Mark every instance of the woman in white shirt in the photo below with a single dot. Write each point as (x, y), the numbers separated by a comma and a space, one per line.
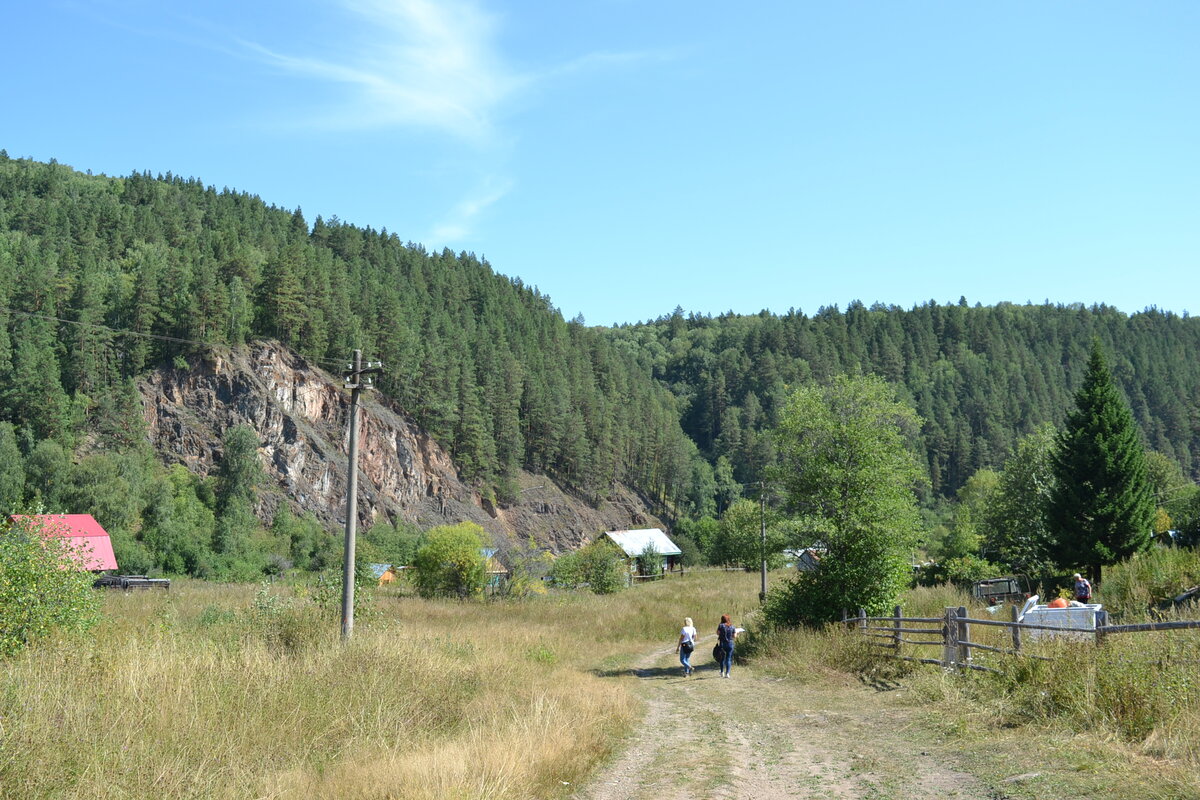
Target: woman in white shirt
(686, 644)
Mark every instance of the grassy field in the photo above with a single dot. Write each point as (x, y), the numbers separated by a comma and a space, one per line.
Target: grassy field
(220, 691)
(1122, 720)
(239, 691)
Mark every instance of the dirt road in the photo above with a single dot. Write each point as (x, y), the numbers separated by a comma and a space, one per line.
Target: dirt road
(754, 736)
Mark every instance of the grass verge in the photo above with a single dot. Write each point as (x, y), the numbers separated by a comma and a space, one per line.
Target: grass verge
(218, 691)
(1120, 720)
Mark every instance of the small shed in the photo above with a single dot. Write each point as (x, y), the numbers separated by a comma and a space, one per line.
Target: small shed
(633, 544)
(87, 540)
(497, 573)
(385, 573)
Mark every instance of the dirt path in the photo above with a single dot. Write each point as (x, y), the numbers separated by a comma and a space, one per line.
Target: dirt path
(754, 736)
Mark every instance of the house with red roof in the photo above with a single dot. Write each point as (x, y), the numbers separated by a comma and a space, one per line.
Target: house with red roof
(86, 539)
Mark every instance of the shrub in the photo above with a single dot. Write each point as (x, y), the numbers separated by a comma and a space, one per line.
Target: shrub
(385, 543)
(451, 561)
(803, 598)
(961, 571)
(566, 572)
(42, 587)
(603, 568)
(690, 553)
(1149, 579)
(650, 561)
(285, 626)
(599, 566)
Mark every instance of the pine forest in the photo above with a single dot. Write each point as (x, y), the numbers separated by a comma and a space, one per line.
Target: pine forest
(104, 278)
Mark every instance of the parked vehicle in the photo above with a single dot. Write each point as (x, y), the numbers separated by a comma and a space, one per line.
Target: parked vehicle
(994, 591)
(131, 582)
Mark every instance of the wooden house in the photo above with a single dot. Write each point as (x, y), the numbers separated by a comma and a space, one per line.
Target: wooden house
(633, 543)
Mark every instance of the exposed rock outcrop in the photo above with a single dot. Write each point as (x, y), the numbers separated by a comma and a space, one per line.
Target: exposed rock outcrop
(300, 414)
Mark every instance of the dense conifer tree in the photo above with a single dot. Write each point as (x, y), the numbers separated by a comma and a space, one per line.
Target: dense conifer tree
(490, 368)
(12, 471)
(1100, 507)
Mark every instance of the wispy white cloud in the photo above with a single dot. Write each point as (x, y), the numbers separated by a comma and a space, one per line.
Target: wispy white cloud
(421, 63)
(432, 64)
(607, 60)
(457, 225)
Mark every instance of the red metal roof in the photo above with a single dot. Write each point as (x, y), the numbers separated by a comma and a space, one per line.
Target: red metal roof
(90, 542)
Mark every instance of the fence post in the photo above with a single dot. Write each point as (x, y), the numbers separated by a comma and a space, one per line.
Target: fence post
(1016, 628)
(896, 635)
(862, 619)
(1101, 624)
(964, 636)
(950, 639)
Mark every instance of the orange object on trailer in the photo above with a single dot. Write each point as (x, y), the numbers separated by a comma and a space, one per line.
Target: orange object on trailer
(1057, 602)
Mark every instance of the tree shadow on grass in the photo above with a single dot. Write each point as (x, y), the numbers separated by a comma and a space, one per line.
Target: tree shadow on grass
(660, 673)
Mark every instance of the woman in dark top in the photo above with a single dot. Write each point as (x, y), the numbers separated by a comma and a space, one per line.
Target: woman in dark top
(726, 633)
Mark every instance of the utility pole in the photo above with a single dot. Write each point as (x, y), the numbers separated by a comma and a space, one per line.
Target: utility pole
(354, 382)
(762, 529)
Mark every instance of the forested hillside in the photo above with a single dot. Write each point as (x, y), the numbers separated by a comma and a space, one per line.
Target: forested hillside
(103, 278)
(980, 377)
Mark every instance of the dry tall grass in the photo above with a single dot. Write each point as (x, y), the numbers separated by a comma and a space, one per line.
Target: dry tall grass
(230, 692)
(1138, 693)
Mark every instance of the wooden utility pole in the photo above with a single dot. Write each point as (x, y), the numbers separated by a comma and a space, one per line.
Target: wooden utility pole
(762, 529)
(354, 382)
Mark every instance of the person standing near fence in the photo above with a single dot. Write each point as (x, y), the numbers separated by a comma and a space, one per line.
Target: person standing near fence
(726, 633)
(685, 645)
(1083, 589)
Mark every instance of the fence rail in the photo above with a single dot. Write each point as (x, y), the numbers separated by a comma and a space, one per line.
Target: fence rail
(953, 634)
(1178, 625)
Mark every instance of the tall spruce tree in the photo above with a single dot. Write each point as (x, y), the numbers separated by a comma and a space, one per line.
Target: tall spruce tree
(1100, 508)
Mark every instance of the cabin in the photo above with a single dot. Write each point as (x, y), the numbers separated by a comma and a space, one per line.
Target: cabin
(804, 560)
(87, 541)
(496, 572)
(633, 543)
(385, 573)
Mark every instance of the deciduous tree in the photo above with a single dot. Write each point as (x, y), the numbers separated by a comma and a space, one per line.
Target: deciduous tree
(43, 588)
(451, 561)
(1014, 528)
(849, 474)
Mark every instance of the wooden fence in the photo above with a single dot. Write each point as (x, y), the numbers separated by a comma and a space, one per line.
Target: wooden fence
(952, 632)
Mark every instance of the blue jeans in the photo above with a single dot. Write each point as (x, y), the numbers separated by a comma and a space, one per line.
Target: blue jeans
(726, 659)
(685, 658)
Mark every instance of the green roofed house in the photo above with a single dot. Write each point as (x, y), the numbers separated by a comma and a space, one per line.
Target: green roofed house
(633, 544)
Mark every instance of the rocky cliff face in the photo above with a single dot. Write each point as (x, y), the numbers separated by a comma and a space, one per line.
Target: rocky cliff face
(300, 414)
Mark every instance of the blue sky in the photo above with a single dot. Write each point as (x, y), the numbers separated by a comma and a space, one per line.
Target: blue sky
(631, 156)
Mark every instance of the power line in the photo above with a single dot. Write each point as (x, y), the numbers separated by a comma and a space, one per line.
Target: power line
(125, 332)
